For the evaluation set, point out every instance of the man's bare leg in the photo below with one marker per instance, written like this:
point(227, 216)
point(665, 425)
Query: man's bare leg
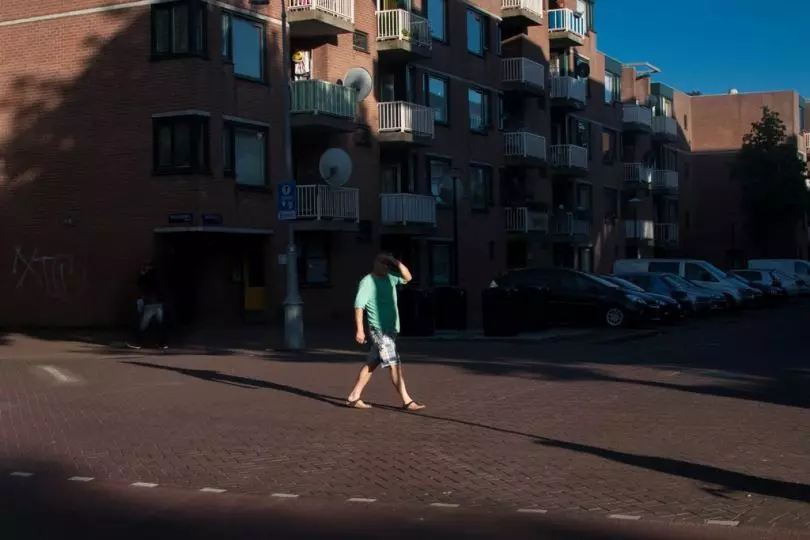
point(362, 380)
point(399, 383)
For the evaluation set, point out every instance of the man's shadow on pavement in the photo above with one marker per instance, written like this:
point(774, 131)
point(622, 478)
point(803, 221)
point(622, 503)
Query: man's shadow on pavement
point(242, 382)
point(728, 480)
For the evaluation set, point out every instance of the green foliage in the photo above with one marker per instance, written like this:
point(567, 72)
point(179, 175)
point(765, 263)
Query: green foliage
point(695, 93)
point(772, 178)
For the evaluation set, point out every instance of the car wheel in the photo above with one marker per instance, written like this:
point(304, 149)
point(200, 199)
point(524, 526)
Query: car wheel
point(615, 317)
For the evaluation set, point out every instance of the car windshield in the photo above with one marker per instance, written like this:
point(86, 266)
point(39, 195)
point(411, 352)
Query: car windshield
point(603, 281)
point(678, 281)
point(780, 275)
point(737, 278)
point(713, 270)
point(626, 284)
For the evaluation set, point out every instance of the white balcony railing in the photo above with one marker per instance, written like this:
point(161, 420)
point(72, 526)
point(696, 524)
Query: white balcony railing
point(535, 6)
point(343, 9)
point(521, 219)
point(667, 180)
point(569, 156)
point(637, 173)
point(666, 233)
point(402, 24)
point(325, 202)
point(665, 125)
point(567, 87)
point(321, 97)
point(524, 144)
point(406, 208)
point(637, 114)
point(405, 117)
point(567, 224)
point(523, 70)
point(565, 20)
point(639, 229)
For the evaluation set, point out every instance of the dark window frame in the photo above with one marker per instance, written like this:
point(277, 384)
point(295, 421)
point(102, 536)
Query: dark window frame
point(431, 264)
point(445, 37)
point(229, 129)
point(486, 109)
point(429, 181)
point(609, 158)
point(485, 41)
point(589, 14)
point(616, 91)
point(304, 243)
point(489, 188)
point(196, 28)
point(426, 92)
point(363, 36)
point(199, 140)
point(227, 44)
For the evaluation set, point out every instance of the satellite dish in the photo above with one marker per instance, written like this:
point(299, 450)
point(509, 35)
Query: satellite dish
point(652, 100)
point(583, 70)
point(335, 167)
point(359, 79)
point(733, 92)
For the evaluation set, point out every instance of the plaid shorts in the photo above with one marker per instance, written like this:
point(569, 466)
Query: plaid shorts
point(383, 348)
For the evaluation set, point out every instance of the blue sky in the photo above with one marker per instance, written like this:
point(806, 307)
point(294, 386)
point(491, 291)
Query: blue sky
point(711, 45)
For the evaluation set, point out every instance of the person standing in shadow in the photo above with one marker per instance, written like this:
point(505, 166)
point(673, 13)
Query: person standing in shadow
point(150, 307)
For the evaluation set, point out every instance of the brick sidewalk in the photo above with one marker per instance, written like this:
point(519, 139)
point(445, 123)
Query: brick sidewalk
point(650, 429)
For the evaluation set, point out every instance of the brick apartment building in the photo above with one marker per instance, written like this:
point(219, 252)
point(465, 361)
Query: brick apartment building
point(137, 130)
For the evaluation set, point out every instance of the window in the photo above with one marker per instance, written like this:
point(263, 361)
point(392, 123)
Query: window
point(245, 154)
point(441, 264)
point(481, 196)
point(666, 268)
point(578, 61)
point(178, 29)
point(243, 45)
point(437, 17)
point(360, 41)
point(180, 145)
point(664, 107)
point(439, 172)
point(479, 109)
point(695, 272)
point(313, 259)
point(498, 39)
point(609, 145)
point(477, 28)
point(584, 198)
point(613, 88)
point(501, 113)
point(611, 203)
point(686, 122)
point(589, 21)
point(436, 92)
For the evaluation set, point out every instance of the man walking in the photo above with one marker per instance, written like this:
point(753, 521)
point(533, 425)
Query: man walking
point(377, 297)
point(150, 306)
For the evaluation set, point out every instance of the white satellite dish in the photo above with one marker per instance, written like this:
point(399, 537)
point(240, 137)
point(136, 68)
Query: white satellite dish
point(335, 167)
point(652, 100)
point(359, 79)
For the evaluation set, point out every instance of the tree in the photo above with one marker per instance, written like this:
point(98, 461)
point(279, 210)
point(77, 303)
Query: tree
point(695, 93)
point(773, 186)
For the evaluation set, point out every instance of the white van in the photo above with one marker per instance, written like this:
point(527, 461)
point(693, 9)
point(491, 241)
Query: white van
point(788, 266)
point(699, 272)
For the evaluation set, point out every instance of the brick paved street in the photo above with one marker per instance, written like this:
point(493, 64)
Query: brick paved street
point(708, 421)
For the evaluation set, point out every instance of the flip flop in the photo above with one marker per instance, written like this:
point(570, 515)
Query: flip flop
point(412, 406)
point(358, 404)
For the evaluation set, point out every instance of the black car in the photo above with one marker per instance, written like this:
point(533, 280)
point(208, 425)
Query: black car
point(561, 295)
point(773, 292)
point(671, 310)
point(693, 299)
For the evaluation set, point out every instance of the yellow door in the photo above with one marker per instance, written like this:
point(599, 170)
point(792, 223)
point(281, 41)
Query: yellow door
point(253, 281)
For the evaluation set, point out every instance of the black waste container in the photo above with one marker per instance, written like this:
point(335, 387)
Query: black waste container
point(415, 312)
point(531, 309)
point(498, 307)
point(451, 308)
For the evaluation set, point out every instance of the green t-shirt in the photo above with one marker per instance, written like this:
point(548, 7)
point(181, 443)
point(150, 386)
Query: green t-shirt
point(378, 297)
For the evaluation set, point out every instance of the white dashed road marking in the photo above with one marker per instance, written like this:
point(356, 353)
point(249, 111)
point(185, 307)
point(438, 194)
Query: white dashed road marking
point(285, 495)
point(22, 474)
point(213, 490)
point(722, 522)
point(81, 478)
point(532, 511)
point(624, 516)
point(143, 484)
point(361, 500)
point(61, 375)
point(443, 505)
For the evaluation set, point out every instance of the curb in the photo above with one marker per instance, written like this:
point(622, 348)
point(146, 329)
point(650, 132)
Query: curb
point(636, 336)
point(501, 339)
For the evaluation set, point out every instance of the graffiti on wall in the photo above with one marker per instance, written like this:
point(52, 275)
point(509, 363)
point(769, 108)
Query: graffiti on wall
point(59, 276)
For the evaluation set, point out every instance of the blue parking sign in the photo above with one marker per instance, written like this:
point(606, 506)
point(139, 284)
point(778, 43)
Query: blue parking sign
point(287, 200)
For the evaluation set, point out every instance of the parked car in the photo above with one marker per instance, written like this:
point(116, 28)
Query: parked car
point(692, 298)
point(791, 267)
point(671, 310)
point(791, 282)
point(697, 271)
point(770, 293)
point(562, 295)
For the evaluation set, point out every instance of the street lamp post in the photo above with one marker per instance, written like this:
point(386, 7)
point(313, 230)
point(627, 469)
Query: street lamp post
point(634, 201)
point(454, 174)
point(293, 305)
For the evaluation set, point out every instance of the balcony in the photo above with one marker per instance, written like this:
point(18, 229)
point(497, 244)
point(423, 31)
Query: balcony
point(664, 127)
point(639, 231)
point(665, 181)
point(637, 118)
point(566, 28)
point(322, 207)
point(316, 18)
point(569, 159)
point(638, 175)
point(320, 106)
point(523, 76)
point(567, 91)
point(806, 140)
point(405, 123)
point(403, 35)
point(408, 212)
point(666, 234)
point(523, 149)
point(567, 228)
point(522, 12)
point(522, 220)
